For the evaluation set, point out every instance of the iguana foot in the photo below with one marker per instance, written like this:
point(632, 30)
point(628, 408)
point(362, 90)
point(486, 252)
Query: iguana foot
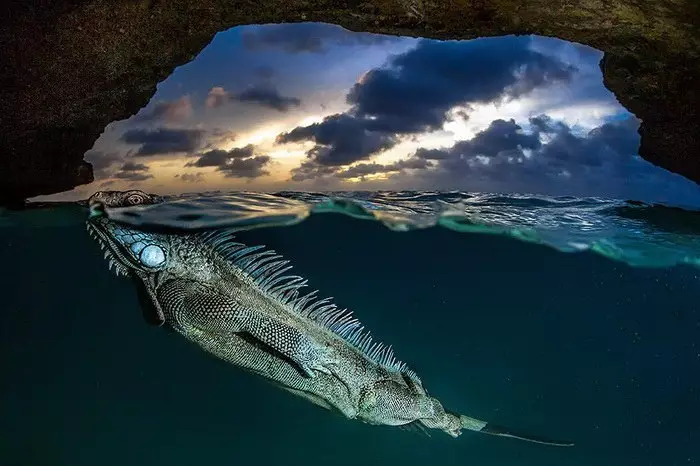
point(318, 360)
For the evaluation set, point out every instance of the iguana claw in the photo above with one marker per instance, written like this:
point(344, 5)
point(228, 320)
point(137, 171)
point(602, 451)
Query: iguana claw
point(319, 360)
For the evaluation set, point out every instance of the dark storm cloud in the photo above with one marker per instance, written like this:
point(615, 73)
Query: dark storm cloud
point(218, 157)
point(133, 172)
point(163, 140)
point(305, 37)
point(212, 158)
point(267, 97)
point(252, 167)
point(340, 140)
point(492, 153)
point(501, 137)
point(417, 90)
point(239, 162)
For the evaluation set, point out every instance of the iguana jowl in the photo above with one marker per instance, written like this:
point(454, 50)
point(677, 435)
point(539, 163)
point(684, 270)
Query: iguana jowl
point(239, 304)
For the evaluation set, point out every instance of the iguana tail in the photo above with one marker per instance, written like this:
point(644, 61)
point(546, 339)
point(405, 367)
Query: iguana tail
point(476, 425)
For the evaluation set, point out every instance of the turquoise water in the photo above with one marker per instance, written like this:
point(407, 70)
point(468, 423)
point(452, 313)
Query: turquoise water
point(569, 318)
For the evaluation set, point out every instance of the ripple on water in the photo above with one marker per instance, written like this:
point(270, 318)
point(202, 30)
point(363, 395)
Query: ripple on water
point(638, 234)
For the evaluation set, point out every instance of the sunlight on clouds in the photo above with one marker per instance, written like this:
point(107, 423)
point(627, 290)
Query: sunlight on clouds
point(267, 133)
point(266, 136)
point(545, 138)
point(286, 154)
point(365, 178)
point(308, 121)
point(285, 157)
point(459, 129)
point(283, 161)
point(390, 156)
point(481, 116)
point(585, 116)
point(363, 77)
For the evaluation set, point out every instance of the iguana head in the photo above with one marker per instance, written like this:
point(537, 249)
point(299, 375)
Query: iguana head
point(124, 198)
point(128, 249)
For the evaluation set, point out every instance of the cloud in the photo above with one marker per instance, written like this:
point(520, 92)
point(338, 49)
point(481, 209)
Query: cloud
point(239, 162)
point(246, 168)
point(163, 140)
point(267, 97)
point(340, 140)
point(176, 110)
point(212, 158)
point(500, 137)
point(306, 37)
point(217, 137)
point(217, 97)
point(416, 92)
point(191, 177)
point(550, 158)
point(218, 157)
point(102, 161)
point(504, 155)
point(134, 167)
point(133, 172)
point(310, 170)
point(364, 169)
point(104, 166)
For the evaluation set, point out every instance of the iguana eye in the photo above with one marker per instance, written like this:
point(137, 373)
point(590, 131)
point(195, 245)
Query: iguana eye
point(135, 199)
point(152, 256)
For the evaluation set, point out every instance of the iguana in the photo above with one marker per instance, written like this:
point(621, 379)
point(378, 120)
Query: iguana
point(239, 303)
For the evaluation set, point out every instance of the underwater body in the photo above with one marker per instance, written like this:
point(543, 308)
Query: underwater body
point(572, 318)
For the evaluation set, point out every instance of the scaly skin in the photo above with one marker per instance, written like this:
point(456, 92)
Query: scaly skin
point(196, 290)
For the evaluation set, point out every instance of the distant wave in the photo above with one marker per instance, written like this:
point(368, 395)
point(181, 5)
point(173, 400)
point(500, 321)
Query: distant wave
point(638, 234)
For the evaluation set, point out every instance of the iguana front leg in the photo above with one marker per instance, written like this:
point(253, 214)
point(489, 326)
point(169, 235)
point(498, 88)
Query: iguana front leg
point(212, 311)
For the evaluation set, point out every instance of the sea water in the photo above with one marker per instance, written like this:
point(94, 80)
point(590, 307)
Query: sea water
point(568, 318)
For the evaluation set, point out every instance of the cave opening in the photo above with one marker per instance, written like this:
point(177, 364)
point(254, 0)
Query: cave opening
point(314, 106)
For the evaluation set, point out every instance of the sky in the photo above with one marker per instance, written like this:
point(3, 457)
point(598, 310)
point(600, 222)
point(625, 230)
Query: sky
point(314, 107)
